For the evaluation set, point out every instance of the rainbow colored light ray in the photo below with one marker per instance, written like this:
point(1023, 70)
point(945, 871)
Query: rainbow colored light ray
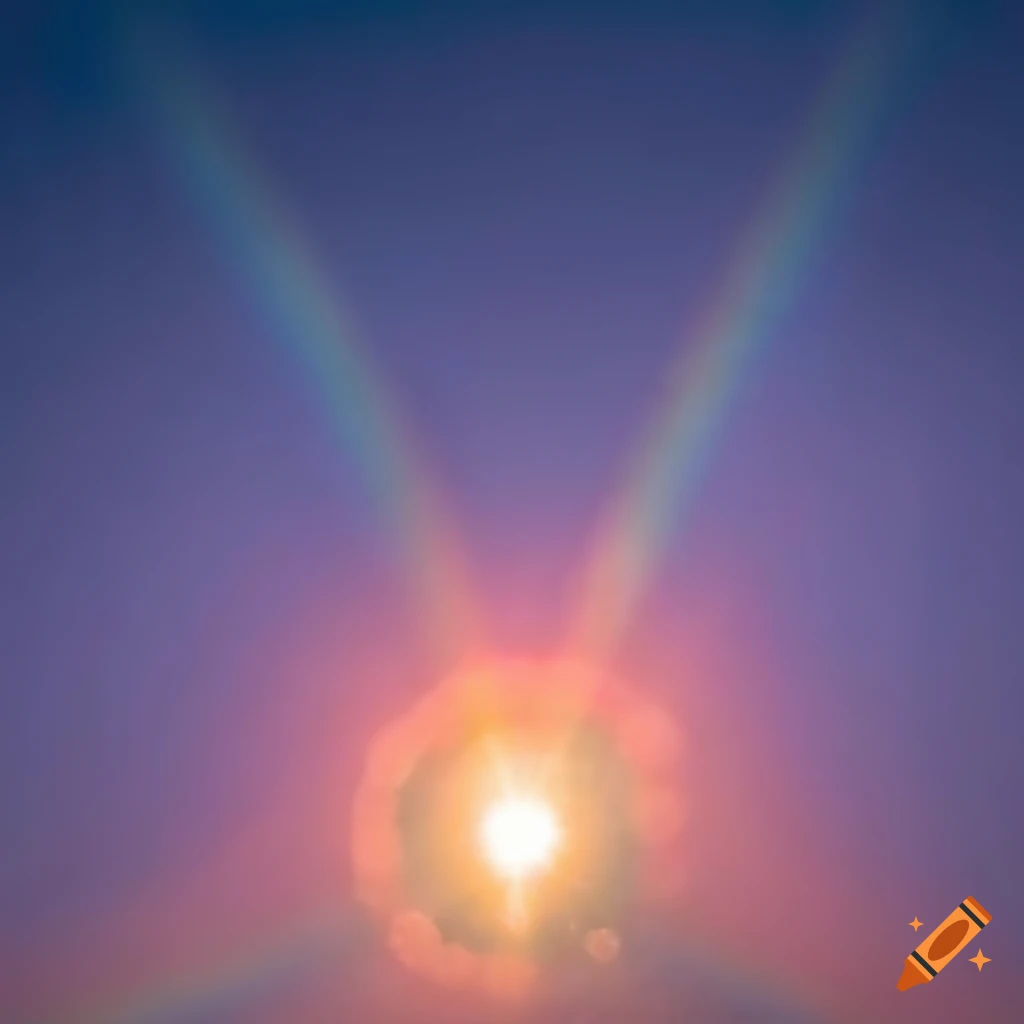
point(267, 252)
point(771, 263)
point(229, 977)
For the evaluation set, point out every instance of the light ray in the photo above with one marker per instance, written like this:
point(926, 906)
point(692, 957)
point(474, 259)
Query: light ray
point(771, 263)
point(294, 947)
point(267, 252)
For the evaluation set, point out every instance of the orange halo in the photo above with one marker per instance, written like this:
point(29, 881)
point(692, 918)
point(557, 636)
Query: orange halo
point(524, 698)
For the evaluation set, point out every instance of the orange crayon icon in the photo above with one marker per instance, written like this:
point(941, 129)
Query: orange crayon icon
point(943, 944)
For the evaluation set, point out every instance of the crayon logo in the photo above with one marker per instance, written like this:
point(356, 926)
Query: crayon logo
point(943, 944)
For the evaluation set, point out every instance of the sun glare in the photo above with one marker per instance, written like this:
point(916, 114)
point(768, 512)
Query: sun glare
point(519, 836)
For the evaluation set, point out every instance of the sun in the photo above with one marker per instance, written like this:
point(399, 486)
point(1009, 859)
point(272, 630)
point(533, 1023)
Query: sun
point(520, 836)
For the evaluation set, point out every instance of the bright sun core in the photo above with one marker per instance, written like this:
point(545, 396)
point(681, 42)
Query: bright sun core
point(520, 836)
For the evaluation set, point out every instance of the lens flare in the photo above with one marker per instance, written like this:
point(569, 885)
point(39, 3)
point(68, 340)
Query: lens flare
point(520, 836)
point(518, 807)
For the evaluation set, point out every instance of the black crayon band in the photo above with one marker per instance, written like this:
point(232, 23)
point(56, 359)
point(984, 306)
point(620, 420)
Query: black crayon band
point(924, 963)
point(975, 919)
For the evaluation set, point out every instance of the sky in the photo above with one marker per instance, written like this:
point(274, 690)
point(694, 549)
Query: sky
point(339, 340)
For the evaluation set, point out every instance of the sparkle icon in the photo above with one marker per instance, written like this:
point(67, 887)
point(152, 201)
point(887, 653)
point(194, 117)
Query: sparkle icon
point(981, 959)
point(915, 924)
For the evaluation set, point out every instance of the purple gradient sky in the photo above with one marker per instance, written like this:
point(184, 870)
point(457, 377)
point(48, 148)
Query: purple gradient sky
point(202, 623)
